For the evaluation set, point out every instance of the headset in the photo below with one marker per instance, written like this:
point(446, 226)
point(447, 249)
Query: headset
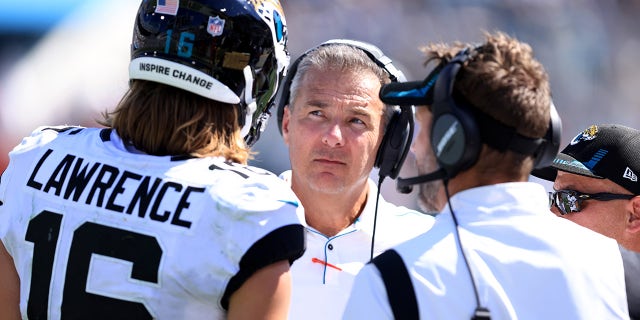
point(399, 131)
point(459, 130)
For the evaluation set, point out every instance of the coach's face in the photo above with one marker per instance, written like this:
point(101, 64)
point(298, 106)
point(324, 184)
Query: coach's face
point(609, 218)
point(333, 129)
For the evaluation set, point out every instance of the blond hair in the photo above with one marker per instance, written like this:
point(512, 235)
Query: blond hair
point(163, 120)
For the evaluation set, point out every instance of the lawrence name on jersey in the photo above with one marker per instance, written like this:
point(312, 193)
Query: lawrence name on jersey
point(140, 236)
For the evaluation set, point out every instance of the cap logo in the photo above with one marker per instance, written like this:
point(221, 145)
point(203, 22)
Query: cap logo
point(215, 26)
point(586, 135)
point(629, 174)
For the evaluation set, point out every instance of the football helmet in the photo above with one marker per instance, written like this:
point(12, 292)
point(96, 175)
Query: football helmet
point(233, 51)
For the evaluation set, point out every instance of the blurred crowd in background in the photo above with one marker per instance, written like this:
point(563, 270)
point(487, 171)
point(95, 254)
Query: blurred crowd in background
point(65, 62)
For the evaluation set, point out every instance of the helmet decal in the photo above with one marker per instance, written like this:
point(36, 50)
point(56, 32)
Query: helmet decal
point(279, 26)
point(205, 47)
point(180, 76)
point(168, 7)
point(215, 26)
point(261, 4)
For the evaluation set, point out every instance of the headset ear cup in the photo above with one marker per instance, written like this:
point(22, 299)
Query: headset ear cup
point(455, 136)
point(455, 139)
point(384, 148)
point(549, 149)
point(395, 143)
point(282, 96)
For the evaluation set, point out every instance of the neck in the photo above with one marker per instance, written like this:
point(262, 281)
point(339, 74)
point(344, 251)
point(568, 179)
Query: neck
point(513, 168)
point(472, 178)
point(330, 213)
point(630, 244)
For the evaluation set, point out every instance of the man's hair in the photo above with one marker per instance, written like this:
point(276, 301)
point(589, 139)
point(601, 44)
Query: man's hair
point(503, 80)
point(338, 58)
point(163, 120)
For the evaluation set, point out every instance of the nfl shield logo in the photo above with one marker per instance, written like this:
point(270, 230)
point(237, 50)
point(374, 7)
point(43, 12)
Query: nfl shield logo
point(215, 26)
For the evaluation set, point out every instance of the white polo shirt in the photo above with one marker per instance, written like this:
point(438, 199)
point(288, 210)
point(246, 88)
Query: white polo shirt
point(323, 276)
point(527, 263)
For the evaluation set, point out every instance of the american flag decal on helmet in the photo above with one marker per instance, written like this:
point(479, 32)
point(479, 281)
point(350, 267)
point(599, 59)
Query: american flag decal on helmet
point(168, 7)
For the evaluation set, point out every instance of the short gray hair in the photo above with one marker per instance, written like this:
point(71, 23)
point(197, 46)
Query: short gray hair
point(341, 58)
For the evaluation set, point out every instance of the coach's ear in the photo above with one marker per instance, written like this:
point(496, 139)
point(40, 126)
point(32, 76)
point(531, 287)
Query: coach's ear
point(286, 117)
point(633, 225)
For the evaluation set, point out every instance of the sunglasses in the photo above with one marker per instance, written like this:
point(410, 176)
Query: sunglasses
point(570, 201)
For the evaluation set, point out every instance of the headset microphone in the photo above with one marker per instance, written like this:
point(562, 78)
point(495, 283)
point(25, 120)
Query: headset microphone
point(458, 131)
point(406, 185)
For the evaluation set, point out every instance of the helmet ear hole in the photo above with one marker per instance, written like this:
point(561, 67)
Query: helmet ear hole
point(203, 46)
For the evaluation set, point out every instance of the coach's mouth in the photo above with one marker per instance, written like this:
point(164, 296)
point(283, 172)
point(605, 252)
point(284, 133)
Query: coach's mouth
point(328, 161)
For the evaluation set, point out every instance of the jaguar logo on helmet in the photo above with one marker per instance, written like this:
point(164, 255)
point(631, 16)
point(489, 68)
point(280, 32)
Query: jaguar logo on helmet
point(259, 5)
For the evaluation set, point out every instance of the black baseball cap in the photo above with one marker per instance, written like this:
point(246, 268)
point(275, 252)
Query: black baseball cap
point(607, 151)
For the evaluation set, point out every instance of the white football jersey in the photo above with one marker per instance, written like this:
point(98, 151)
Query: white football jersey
point(98, 231)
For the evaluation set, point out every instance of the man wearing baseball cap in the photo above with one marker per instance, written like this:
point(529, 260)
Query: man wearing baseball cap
point(596, 185)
